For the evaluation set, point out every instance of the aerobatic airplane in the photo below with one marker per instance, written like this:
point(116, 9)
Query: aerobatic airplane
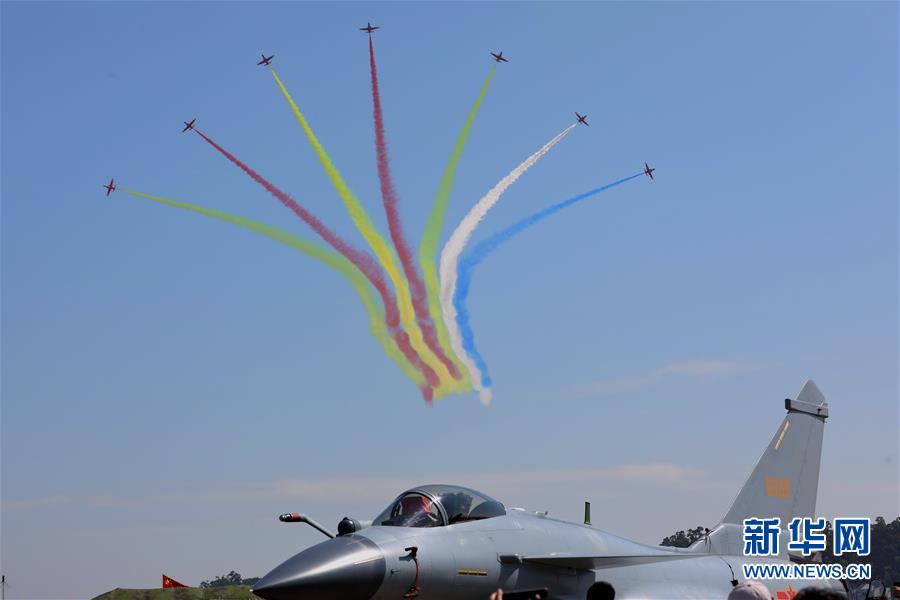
point(446, 542)
point(499, 57)
point(188, 125)
point(110, 187)
point(582, 118)
point(648, 171)
point(266, 60)
point(369, 28)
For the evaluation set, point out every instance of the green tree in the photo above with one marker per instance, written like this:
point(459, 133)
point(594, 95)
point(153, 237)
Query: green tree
point(230, 578)
point(683, 539)
point(885, 550)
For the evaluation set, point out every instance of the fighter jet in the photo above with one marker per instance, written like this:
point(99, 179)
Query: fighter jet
point(648, 171)
point(446, 542)
point(266, 60)
point(582, 118)
point(369, 28)
point(110, 187)
point(498, 57)
point(188, 125)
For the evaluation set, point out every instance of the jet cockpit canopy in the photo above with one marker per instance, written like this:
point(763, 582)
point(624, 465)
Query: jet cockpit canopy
point(438, 505)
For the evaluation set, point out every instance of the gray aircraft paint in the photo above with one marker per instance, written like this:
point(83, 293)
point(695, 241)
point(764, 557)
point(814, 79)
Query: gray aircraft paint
point(523, 550)
point(792, 456)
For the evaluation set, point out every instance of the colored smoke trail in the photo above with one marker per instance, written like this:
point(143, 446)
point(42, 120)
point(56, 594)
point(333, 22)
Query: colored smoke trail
point(461, 236)
point(482, 251)
point(395, 225)
point(432, 235)
point(322, 254)
point(375, 240)
point(360, 259)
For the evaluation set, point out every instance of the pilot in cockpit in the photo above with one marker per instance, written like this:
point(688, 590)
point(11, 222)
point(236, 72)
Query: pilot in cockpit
point(414, 510)
point(437, 506)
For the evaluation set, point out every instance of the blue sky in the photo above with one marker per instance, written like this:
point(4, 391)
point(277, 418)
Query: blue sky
point(170, 384)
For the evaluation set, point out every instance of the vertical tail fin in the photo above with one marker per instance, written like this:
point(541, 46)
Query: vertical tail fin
point(786, 479)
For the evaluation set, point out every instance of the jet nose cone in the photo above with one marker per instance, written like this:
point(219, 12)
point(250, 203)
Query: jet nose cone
point(349, 567)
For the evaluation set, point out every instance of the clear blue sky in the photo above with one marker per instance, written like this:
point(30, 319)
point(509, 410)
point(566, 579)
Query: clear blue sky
point(170, 384)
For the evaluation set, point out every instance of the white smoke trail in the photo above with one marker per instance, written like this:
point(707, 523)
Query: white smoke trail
point(457, 243)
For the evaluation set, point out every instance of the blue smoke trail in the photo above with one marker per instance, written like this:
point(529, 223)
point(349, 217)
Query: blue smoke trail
point(483, 250)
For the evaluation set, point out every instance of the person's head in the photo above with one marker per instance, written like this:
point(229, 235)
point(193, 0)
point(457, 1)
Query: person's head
point(817, 593)
point(750, 590)
point(601, 591)
point(413, 503)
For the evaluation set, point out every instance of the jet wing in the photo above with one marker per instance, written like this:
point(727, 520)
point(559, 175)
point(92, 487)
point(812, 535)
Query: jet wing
point(566, 561)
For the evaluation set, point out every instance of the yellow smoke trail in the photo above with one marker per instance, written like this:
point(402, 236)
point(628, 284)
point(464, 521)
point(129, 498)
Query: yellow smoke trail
point(380, 247)
point(325, 256)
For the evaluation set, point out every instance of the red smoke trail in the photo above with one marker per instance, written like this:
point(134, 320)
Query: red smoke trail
point(362, 260)
point(395, 225)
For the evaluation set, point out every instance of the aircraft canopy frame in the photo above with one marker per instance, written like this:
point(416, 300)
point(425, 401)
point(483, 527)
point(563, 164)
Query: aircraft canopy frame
point(438, 505)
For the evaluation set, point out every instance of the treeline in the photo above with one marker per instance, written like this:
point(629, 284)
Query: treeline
point(885, 556)
point(230, 578)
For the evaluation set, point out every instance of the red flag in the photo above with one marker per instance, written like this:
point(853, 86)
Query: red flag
point(168, 582)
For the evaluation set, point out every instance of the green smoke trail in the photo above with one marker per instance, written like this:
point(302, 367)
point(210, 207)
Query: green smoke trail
point(325, 256)
point(428, 246)
point(386, 256)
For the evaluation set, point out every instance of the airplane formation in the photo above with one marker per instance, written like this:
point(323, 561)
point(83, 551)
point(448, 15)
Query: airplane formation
point(369, 28)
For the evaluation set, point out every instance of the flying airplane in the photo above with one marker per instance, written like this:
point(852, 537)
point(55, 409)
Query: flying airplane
point(582, 118)
point(188, 125)
point(499, 57)
point(448, 542)
point(369, 28)
point(648, 171)
point(266, 60)
point(110, 187)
